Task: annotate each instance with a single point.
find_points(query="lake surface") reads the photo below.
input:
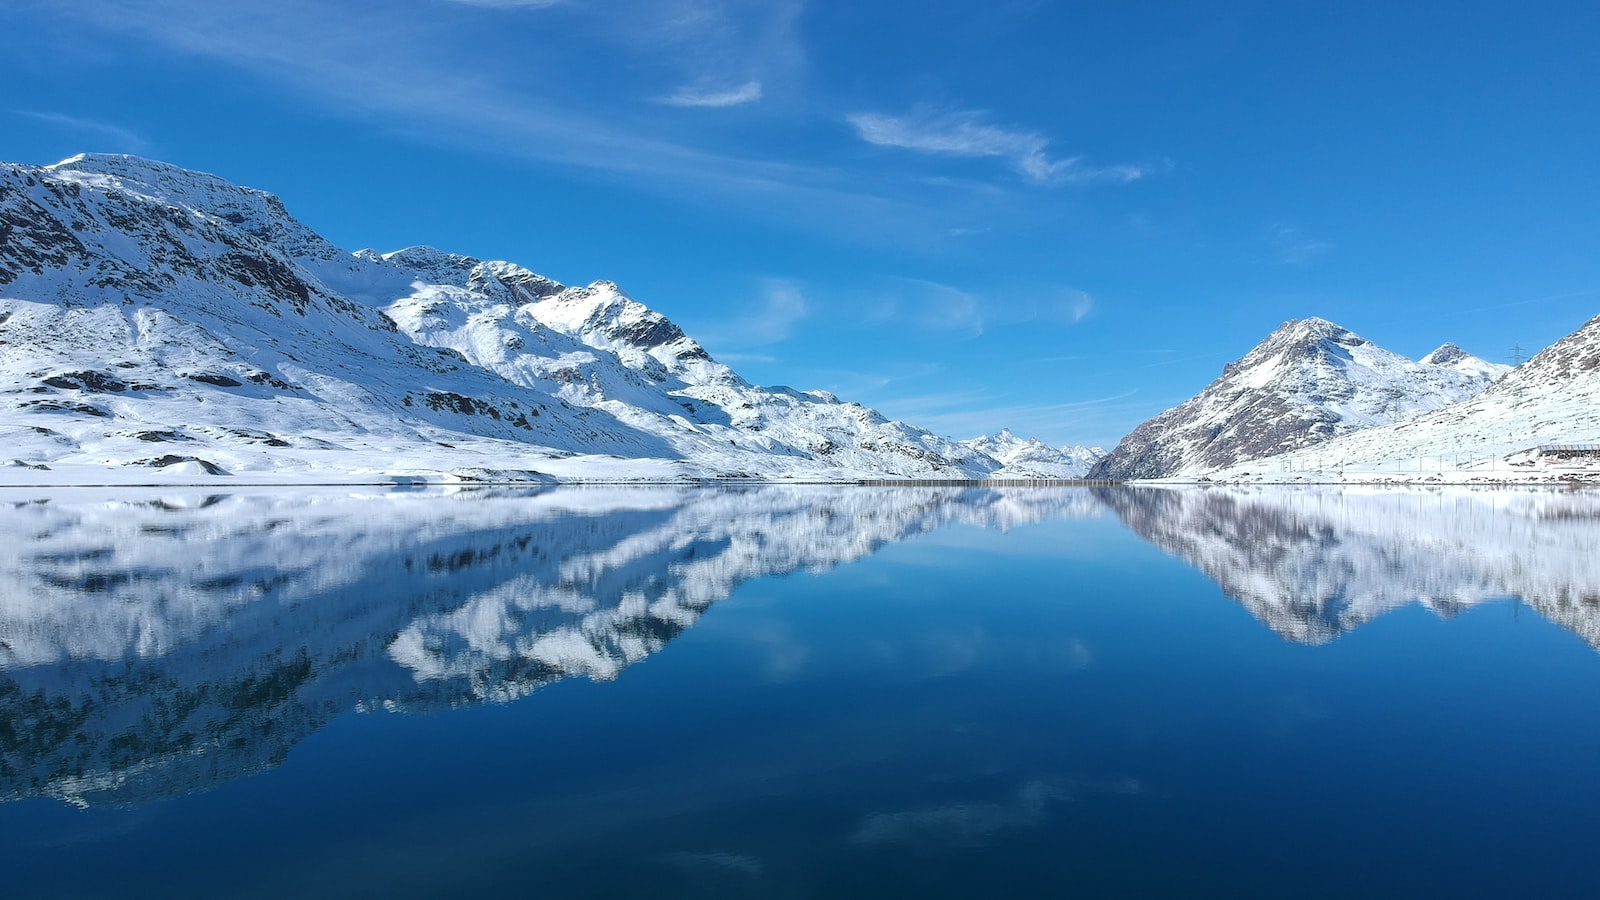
(799, 692)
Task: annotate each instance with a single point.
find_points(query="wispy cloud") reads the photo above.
(394, 71)
(782, 306)
(932, 306)
(941, 307)
(749, 92)
(392, 68)
(967, 822)
(1294, 248)
(1078, 306)
(728, 51)
(920, 408)
(122, 139)
(743, 359)
(510, 4)
(1569, 295)
(862, 385)
(402, 73)
(968, 134)
(1091, 421)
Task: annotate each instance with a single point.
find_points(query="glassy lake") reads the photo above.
(799, 692)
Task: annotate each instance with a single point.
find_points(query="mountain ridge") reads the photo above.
(1495, 435)
(162, 323)
(1307, 381)
(167, 325)
(1033, 458)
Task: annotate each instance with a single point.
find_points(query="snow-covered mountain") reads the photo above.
(1033, 458)
(1313, 564)
(1552, 399)
(1310, 380)
(1452, 357)
(155, 644)
(158, 323)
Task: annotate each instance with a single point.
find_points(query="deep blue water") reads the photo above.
(801, 692)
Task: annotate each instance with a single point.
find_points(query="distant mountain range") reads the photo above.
(160, 324)
(1033, 458)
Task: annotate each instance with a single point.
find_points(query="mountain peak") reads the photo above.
(505, 280)
(158, 177)
(1316, 323)
(132, 183)
(124, 165)
(1033, 458)
(1308, 381)
(1577, 354)
(138, 295)
(1450, 356)
(1310, 332)
(1447, 353)
(430, 258)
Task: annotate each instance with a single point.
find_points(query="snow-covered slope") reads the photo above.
(1307, 382)
(1033, 458)
(159, 324)
(598, 348)
(157, 644)
(1315, 563)
(1452, 357)
(1552, 399)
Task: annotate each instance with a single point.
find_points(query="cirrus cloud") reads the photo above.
(510, 4)
(749, 92)
(968, 134)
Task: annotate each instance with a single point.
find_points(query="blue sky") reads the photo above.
(1058, 217)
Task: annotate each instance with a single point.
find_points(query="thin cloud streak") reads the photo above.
(966, 134)
(1294, 248)
(860, 386)
(124, 139)
(738, 359)
(749, 92)
(929, 306)
(1091, 422)
(510, 4)
(386, 69)
(783, 306)
(1570, 295)
(383, 67)
(933, 306)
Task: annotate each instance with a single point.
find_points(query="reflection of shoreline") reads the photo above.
(1313, 564)
(150, 647)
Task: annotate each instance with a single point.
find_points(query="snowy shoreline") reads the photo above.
(438, 480)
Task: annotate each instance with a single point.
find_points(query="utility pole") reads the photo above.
(1518, 356)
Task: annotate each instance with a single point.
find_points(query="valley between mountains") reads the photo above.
(159, 325)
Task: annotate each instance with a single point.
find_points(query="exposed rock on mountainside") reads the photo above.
(142, 303)
(1552, 399)
(1310, 380)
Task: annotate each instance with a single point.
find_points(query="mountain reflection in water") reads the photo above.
(150, 647)
(157, 646)
(1313, 564)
